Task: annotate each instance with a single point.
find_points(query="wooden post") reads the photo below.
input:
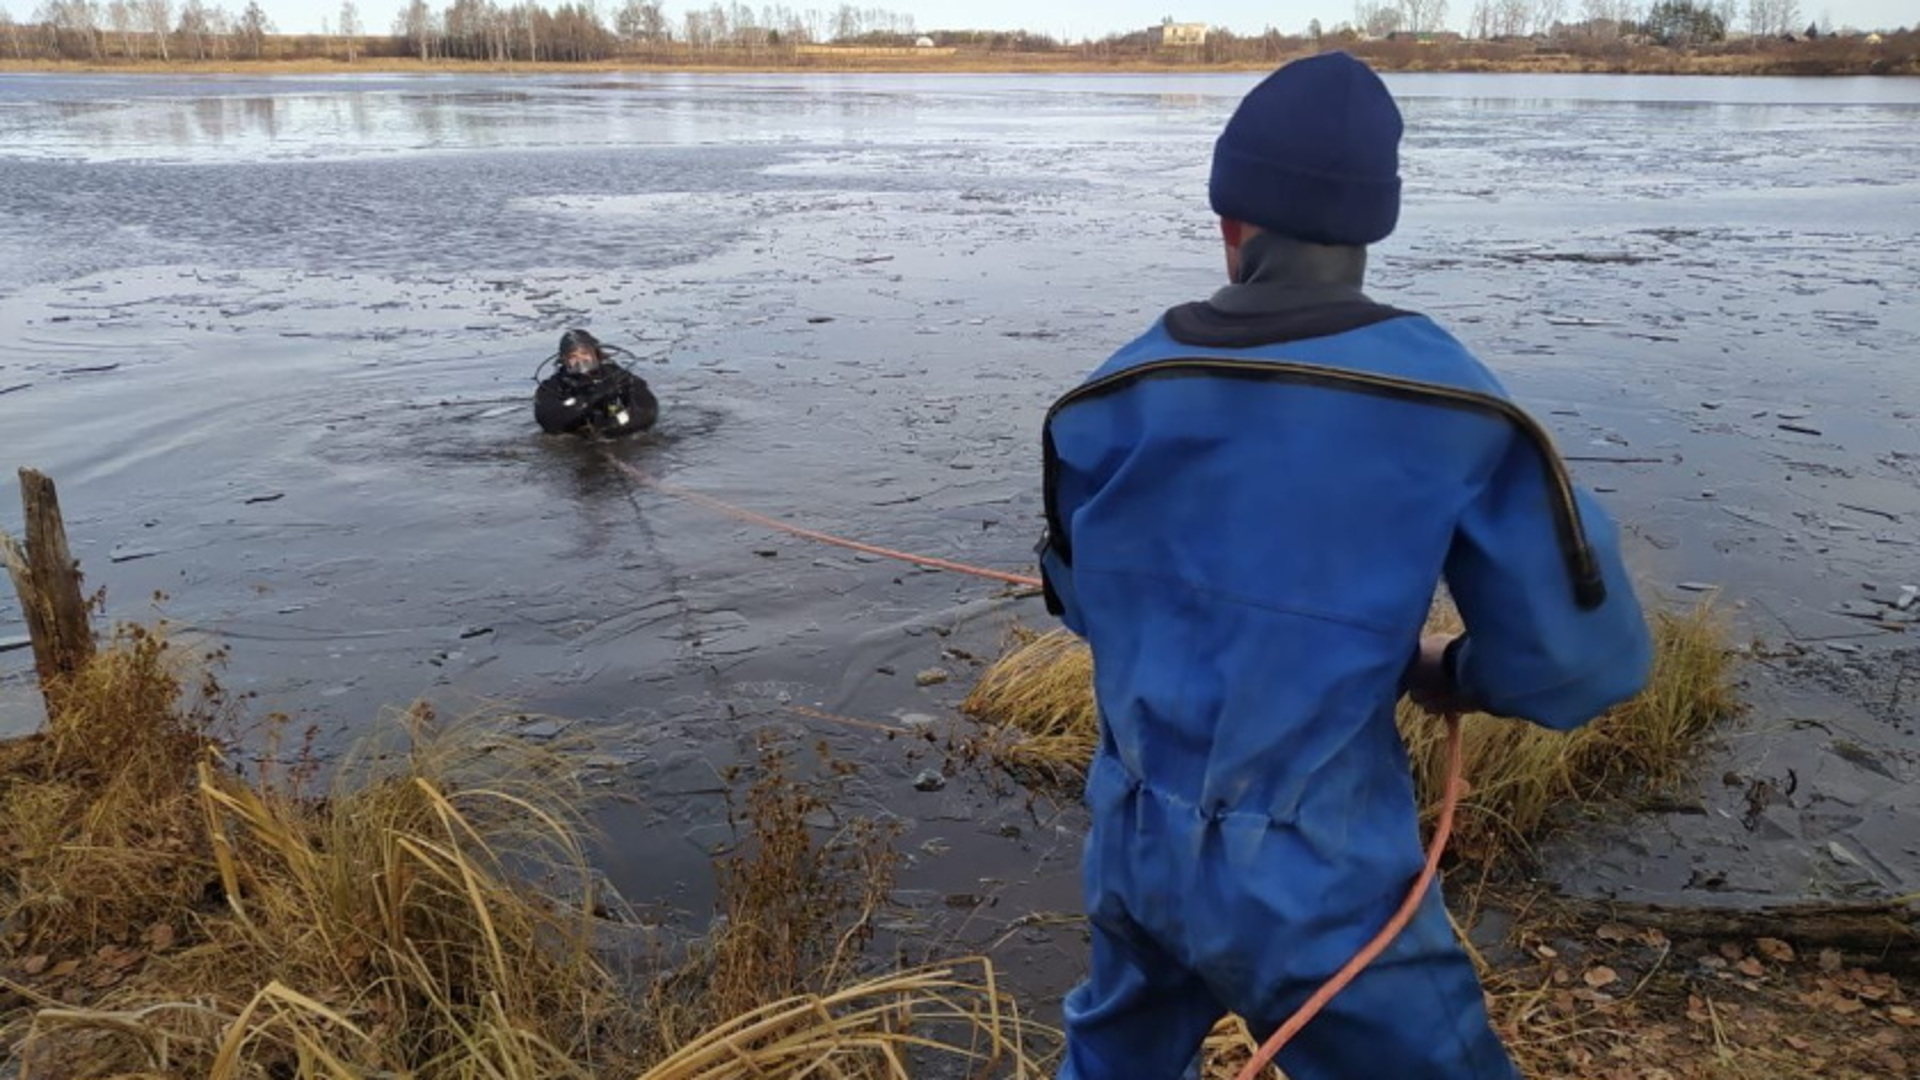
(47, 579)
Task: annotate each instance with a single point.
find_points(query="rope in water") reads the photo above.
(1442, 830)
(777, 525)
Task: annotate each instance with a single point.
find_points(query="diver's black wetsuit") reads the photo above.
(609, 400)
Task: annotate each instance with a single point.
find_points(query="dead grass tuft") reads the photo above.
(97, 811)
(1038, 703)
(1520, 775)
(391, 927)
(928, 1021)
(432, 915)
(797, 906)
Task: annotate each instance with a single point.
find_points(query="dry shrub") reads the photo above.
(432, 916)
(771, 993)
(796, 907)
(393, 927)
(1519, 773)
(98, 816)
(892, 1027)
(1039, 699)
(1038, 702)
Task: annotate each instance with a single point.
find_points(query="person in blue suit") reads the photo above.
(1250, 510)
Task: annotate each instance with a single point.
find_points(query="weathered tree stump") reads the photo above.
(47, 580)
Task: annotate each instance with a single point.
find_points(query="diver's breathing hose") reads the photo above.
(1442, 830)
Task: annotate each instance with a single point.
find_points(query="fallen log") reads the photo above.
(47, 579)
(1887, 931)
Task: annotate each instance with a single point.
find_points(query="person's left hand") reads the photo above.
(1429, 683)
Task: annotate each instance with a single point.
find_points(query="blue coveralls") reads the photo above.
(1252, 562)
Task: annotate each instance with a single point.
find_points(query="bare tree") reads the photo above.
(526, 18)
(156, 18)
(193, 28)
(641, 20)
(1610, 18)
(1786, 14)
(74, 26)
(1547, 15)
(252, 30)
(350, 29)
(120, 19)
(1423, 16)
(418, 26)
(220, 31)
(10, 35)
(1769, 18)
(1512, 18)
(1376, 18)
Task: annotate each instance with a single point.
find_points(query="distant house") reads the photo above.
(1171, 34)
(1875, 39)
(1426, 37)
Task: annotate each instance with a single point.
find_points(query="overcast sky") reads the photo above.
(1071, 19)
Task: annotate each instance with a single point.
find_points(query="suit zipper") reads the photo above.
(1583, 568)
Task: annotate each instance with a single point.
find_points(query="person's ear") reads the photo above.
(1233, 234)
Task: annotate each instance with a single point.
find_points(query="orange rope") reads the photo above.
(1442, 831)
(825, 538)
(851, 721)
(1372, 950)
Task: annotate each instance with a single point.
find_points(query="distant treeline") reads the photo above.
(1602, 35)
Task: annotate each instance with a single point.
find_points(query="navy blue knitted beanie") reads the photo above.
(1313, 153)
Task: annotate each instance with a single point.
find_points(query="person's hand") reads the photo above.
(1430, 684)
(602, 395)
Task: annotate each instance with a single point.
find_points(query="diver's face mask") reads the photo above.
(581, 362)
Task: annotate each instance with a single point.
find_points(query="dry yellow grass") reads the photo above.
(432, 916)
(1038, 704)
(387, 928)
(796, 909)
(97, 813)
(1520, 775)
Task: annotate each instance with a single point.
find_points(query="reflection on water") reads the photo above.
(391, 172)
(125, 118)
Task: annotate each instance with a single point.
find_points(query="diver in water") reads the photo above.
(589, 394)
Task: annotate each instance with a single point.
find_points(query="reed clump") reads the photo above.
(1037, 704)
(431, 913)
